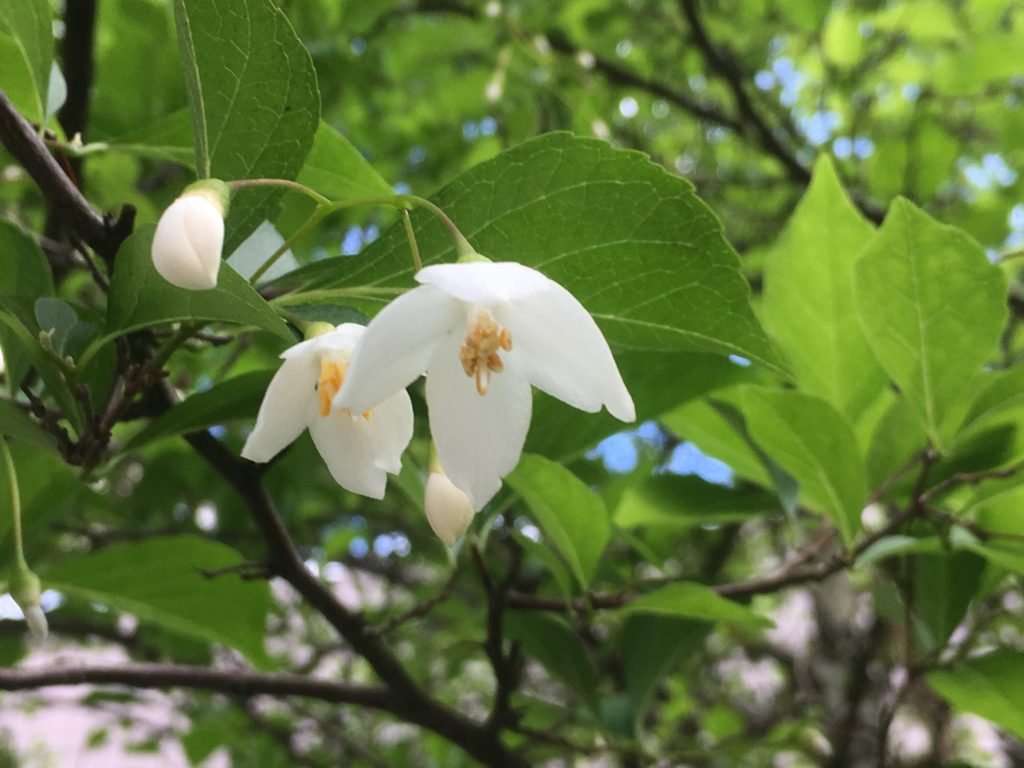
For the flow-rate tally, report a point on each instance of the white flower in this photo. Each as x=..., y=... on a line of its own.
x=359, y=447
x=484, y=332
x=449, y=510
x=188, y=241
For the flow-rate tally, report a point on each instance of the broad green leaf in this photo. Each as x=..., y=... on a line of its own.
x=169, y=138
x=989, y=686
x=944, y=586
x=651, y=644
x=254, y=98
x=696, y=601
x=633, y=243
x=26, y=274
x=335, y=169
x=17, y=424
x=893, y=546
x=816, y=445
x=572, y=516
x=932, y=307
x=237, y=398
x=703, y=425
x=140, y=297
x=159, y=580
x=669, y=501
x=808, y=297
x=897, y=437
x=29, y=24
x=551, y=641
x=996, y=392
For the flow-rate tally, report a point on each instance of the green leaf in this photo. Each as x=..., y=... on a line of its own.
x=669, y=501
x=140, y=297
x=816, y=445
x=550, y=640
x=698, y=602
x=335, y=169
x=159, y=580
x=633, y=243
x=26, y=274
x=997, y=392
x=808, y=296
x=932, y=307
x=944, y=586
x=237, y=398
x=17, y=424
x=989, y=686
x=169, y=138
x=897, y=437
x=572, y=516
x=29, y=24
x=651, y=644
x=254, y=99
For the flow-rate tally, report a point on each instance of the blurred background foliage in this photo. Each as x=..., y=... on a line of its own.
x=913, y=98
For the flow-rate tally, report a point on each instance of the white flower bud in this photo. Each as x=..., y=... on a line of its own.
x=36, y=621
x=449, y=510
x=190, y=235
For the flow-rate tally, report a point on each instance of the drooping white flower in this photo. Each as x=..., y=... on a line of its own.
x=190, y=236
x=484, y=332
x=449, y=510
x=359, y=447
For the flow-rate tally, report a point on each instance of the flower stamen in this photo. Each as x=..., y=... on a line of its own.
x=332, y=376
x=479, y=351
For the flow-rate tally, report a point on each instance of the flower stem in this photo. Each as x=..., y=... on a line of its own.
x=14, y=499
x=414, y=247
x=293, y=185
x=462, y=246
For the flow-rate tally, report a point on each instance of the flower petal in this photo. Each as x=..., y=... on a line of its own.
x=557, y=347
x=342, y=339
x=483, y=282
x=397, y=346
x=479, y=437
x=347, y=447
x=286, y=408
x=174, y=250
x=390, y=428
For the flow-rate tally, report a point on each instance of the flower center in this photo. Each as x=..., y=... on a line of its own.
x=479, y=351
x=332, y=376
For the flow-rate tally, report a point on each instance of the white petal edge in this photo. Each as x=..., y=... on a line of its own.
x=557, y=347
x=390, y=429
x=347, y=447
x=485, y=283
x=397, y=346
x=479, y=438
x=285, y=410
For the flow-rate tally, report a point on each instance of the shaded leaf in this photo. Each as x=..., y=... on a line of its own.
x=696, y=601
x=158, y=580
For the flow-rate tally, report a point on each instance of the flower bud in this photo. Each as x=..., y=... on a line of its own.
x=24, y=586
x=190, y=235
x=449, y=510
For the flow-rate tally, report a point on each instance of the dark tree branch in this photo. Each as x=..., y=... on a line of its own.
x=728, y=68
x=102, y=233
x=243, y=684
x=77, y=56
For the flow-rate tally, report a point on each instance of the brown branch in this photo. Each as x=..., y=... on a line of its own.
x=244, y=684
x=103, y=233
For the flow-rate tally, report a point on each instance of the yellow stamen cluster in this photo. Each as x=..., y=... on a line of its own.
x=332, y=376
x=479, y=351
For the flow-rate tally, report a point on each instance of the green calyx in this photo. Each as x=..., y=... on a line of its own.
x=470, y=257
x=318, y=328
x=24, y=586
x=214, y=190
